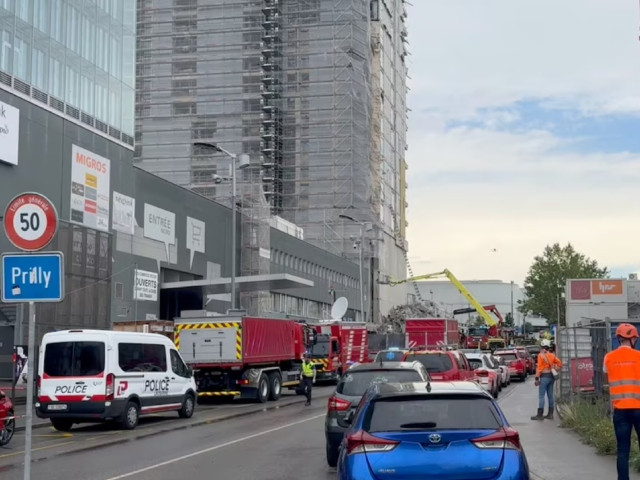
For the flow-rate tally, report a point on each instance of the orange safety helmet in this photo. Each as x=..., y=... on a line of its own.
x=626, y=330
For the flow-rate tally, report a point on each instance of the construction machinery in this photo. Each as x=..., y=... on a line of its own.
x=478, y=337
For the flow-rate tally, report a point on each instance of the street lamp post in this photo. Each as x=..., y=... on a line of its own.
x=243, y=159
x=347, y=217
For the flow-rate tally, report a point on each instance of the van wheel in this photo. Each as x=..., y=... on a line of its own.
x=61, y=424
x=275, y=386
x=130, y=416
x=263, y=389
x=188, y=407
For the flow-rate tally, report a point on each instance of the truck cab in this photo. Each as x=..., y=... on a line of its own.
x=326, y=355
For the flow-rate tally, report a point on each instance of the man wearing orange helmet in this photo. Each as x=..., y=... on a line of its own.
x=622, y=367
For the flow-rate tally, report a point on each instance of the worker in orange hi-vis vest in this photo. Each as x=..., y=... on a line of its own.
x=622, y=367
x=546, y=372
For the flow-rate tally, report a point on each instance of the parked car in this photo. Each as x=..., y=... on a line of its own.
x=517, y=365
x=423, y=430
x=348, y=393
x=531, y=366
x=446, y=365
x=505, y=374
x=488, y=375
x=534, y=350
x=7, y=422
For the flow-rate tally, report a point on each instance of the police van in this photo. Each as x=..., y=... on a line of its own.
x=102, y=375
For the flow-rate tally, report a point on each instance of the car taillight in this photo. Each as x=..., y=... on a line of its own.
x=109, y=389
x=38, y=383
x=363, y=442
x=482, y=373
x=506, y=438
x=337, y=404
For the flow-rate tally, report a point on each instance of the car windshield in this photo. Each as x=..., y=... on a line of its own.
x=508, y=357
x=433, y=362
x=355, y=383
x=433, y=412
x=389, y=356
x=320, y=349
x=74, y=359
x=477, y=332
x=475, y=363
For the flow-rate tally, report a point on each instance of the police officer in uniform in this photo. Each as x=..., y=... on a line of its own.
x=308, y=377
x=622, y=367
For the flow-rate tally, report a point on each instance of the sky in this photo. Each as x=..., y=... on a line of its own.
x=524, y=131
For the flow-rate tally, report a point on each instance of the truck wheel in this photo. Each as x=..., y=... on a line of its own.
x=130, y=416
x=275, y=386
x=61, y=424
x=263, y=389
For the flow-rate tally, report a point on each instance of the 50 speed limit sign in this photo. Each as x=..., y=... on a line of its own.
x=30, y=221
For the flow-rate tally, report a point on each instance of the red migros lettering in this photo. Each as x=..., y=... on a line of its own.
x=91, y=163
x=70, y=389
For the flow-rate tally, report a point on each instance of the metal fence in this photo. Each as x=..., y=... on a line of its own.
x=582, y=350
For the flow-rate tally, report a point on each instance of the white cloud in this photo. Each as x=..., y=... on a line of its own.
x=475, y=189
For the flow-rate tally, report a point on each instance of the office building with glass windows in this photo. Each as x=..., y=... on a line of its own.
x=75, y=58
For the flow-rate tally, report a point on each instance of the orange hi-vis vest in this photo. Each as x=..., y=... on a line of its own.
x=623, y=370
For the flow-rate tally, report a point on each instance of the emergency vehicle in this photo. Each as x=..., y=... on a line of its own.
x=337, y=345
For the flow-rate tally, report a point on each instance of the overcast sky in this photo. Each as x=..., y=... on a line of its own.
x=524, y=130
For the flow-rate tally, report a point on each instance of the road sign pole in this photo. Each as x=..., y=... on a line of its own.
x=31, y=357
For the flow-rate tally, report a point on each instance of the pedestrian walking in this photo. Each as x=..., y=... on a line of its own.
x=546, y=372
x=622, y=367
x=308, y=377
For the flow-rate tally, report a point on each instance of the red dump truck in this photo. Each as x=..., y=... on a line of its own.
x=246, y=357
x=431, y=332
x=336, y=345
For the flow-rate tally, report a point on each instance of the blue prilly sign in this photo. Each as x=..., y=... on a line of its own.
x=32, y=277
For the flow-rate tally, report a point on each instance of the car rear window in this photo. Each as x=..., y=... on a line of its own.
x=356, y=383
x=475, y=363
x=508, y=356
x=74, y=359
x=389, y=356
x=433, y=362
x=432, y=412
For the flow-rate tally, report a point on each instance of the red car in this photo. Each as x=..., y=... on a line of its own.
x=7, y=423
x=524, y=353
x=446, y=366
x=515, y=361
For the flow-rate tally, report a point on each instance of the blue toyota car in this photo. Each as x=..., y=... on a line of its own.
x=430, y=431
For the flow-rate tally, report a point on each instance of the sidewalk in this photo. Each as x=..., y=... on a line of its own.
x=553, y=453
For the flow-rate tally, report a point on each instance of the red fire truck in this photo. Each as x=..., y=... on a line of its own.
x=336, y=345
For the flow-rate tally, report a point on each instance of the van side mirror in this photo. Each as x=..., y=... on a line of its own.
x=189, y=372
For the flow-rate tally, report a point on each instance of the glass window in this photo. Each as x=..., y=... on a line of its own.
x=508, y=357
x=74, y=359
x=475, y=363
x=177, y=365
x=142, y=357
x=355, y=383
x=433, y=362
x=441, y=412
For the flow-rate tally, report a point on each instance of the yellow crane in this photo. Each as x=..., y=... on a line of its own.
x=490, y=321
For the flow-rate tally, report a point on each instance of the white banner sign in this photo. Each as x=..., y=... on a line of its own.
x=9, y=133
x=160, y=225
x=90, y=177
x=195, y=237
x=124, y=208
x=146, y=287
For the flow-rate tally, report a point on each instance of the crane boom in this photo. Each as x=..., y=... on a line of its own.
x=461, y=288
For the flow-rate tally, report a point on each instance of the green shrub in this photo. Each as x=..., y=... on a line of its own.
x=591, y=421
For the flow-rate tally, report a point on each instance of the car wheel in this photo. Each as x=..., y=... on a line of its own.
x=262, y=394
x=9, y=428
x=275, y=386
x=61, y=424
x=332, y=454
x=495, y=392
x=130, y=416
x=188, y=407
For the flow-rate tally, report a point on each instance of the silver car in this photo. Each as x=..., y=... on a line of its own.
x=352, y=386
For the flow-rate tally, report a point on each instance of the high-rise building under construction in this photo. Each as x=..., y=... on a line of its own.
x=314, y=91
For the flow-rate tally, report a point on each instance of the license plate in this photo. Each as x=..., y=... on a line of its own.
x=61, y=406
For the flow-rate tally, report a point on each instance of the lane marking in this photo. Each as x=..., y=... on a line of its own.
x=216, y=447
x=35, y=449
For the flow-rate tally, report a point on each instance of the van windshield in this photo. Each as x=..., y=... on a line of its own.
x=74, y=359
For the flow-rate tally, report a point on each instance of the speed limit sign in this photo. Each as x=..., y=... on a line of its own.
x=30, y=221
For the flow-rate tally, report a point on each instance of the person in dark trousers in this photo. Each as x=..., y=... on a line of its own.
x=308, y=377
x=622, y=367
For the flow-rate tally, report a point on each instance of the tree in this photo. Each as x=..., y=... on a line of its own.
x=547, y=276
x=508, y=320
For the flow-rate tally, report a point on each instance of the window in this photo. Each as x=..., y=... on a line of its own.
x=74, y=359
x=356, y=383
x=441, y=412
x=434, y=362
x=142, y=357
x=508, y=357
x=178, y=366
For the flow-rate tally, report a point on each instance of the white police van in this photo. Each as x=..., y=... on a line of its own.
x=101, y=375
